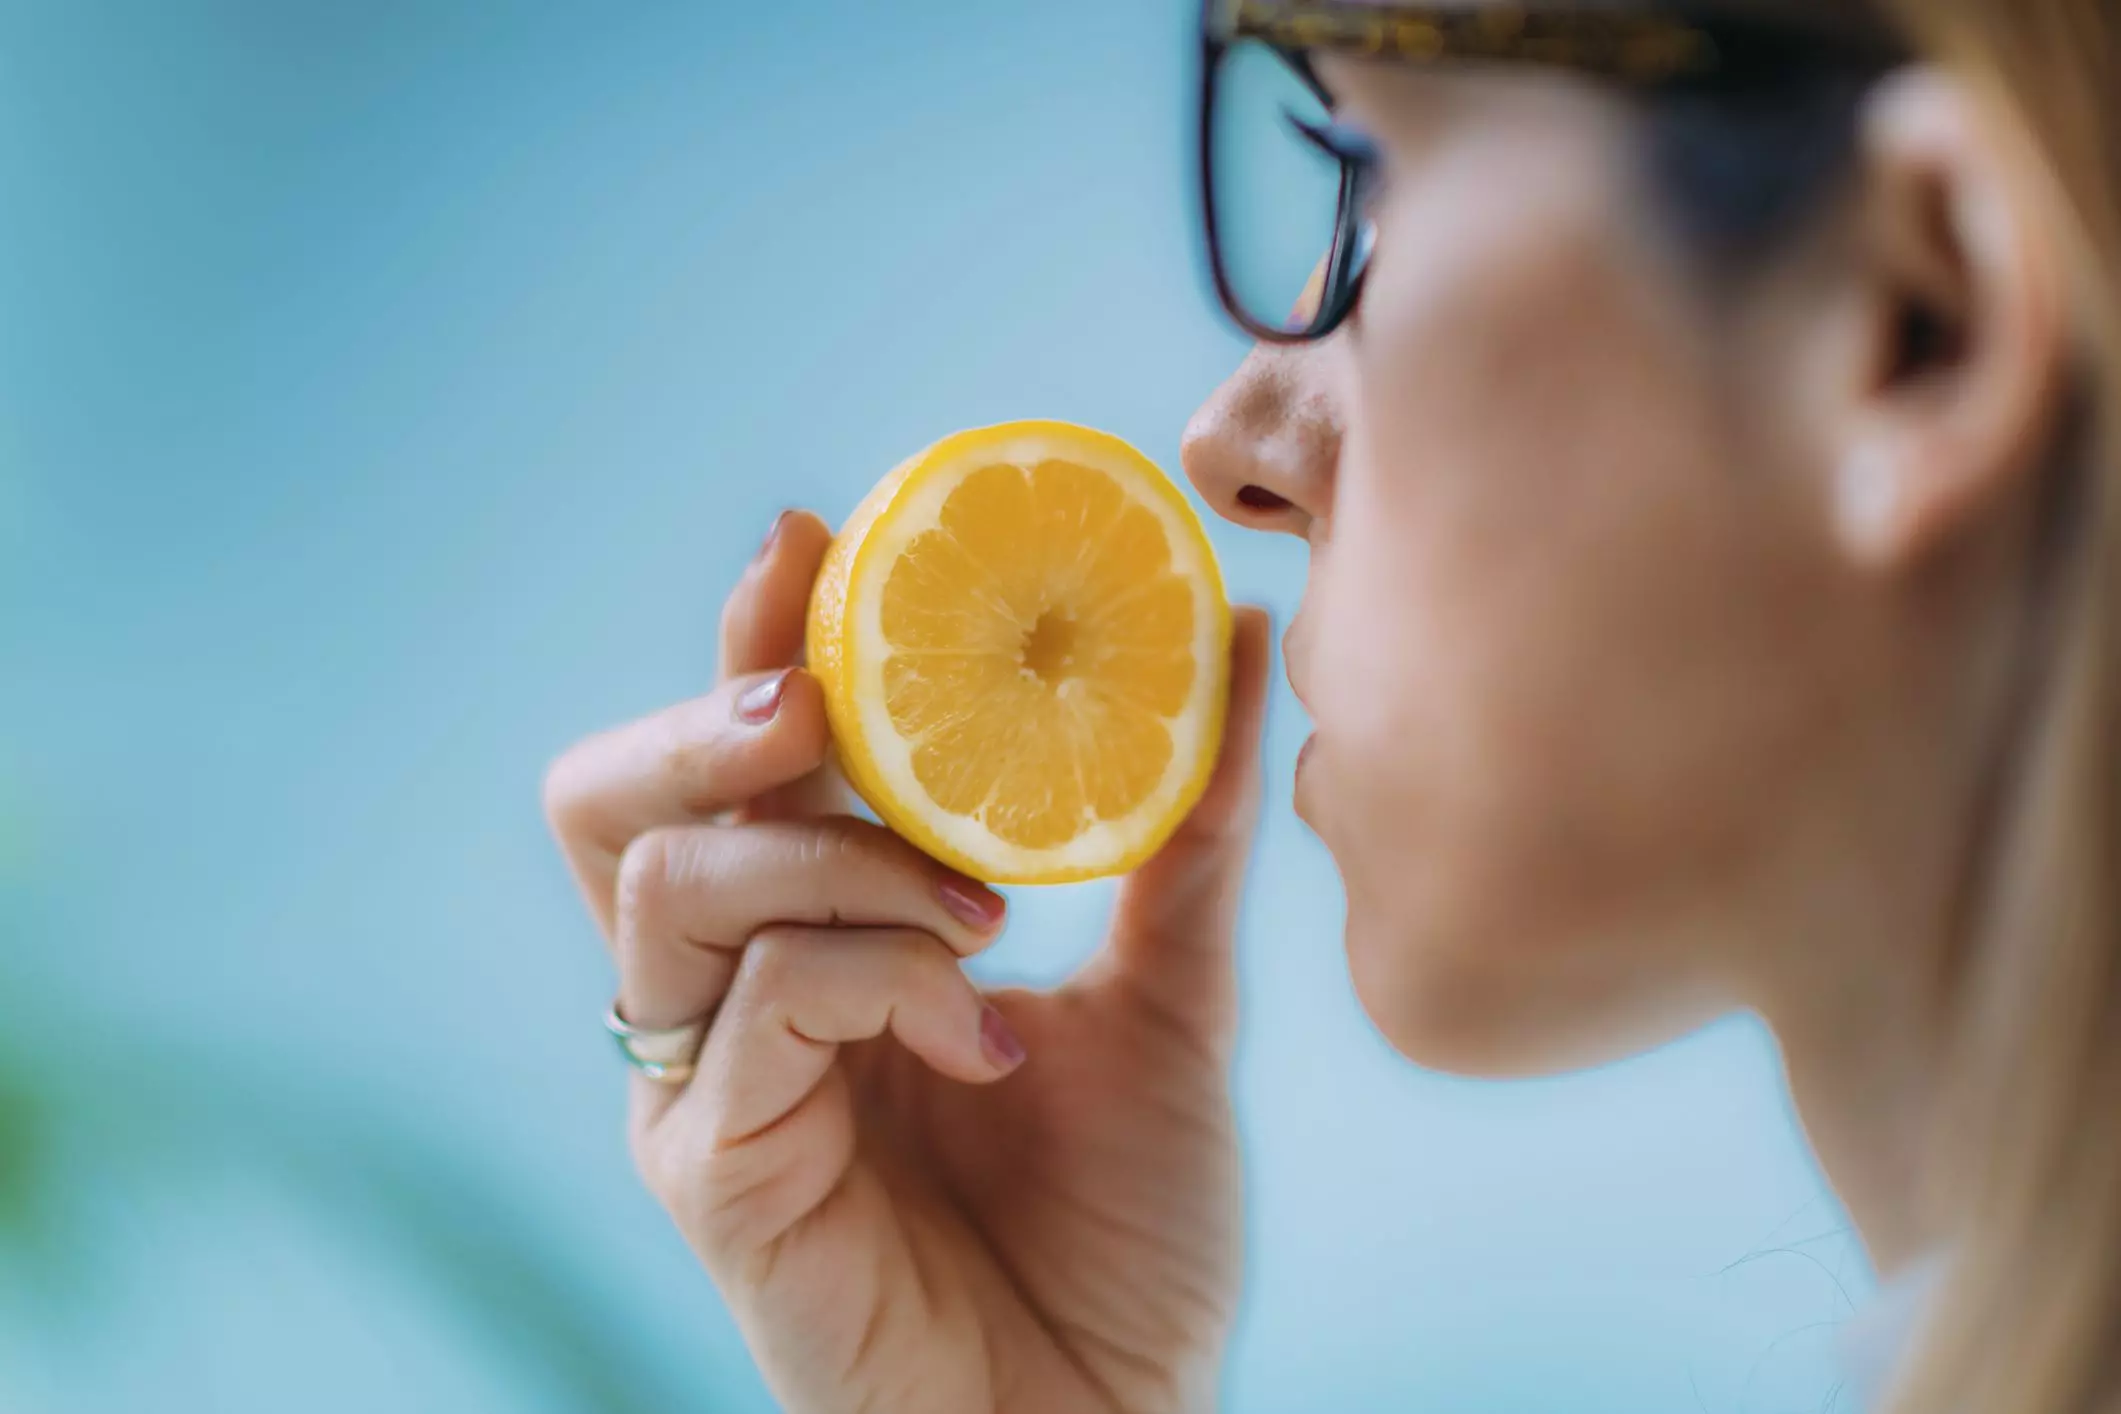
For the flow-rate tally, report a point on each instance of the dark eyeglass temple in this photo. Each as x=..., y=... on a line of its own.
x=1649, y=46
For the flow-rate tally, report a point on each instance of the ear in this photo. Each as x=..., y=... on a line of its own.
x=1953, y=403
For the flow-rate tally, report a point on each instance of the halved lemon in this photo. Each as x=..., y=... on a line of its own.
x=1024, y=647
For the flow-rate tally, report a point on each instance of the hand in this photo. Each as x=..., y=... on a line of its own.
x=913, y=1197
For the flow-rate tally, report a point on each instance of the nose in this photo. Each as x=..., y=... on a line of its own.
x=1262, y=450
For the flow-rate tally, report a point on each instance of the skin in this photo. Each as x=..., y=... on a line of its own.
x=1660, y=636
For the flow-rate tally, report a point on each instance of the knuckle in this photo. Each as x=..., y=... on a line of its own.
x=774, y=960
x=643, y=880
x=689, y=749
x=922, y=966
x=832, y=848
x=726, y=859
x=867, y=875
x=699, y=863
x=857, y=850
x=564, y=796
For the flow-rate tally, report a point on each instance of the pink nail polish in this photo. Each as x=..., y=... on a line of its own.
x=972, y=904
x=762, y=700
x=998, y=1040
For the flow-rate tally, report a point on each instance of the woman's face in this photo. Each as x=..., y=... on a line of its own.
x=1570, y=638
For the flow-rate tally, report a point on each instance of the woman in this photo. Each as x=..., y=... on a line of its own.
x=1705, y=434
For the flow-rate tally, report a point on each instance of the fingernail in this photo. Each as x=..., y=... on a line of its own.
x=998, y=1040
x=762, y=700
x=974, y=905
x=773, y=534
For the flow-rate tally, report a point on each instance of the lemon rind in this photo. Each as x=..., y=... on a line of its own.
x=881, y=765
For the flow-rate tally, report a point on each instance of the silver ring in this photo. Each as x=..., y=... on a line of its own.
x=664, y=1056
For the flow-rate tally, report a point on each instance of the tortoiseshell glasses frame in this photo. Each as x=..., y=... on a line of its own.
x=1653, y=48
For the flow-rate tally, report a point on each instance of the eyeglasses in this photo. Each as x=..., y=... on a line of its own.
x=1284, y=189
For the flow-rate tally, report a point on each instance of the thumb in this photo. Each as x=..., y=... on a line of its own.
x=1174, y=931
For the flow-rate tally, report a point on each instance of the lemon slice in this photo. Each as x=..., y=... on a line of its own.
x=1024, y=647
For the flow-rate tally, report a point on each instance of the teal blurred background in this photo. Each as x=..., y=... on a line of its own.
x=387, y=394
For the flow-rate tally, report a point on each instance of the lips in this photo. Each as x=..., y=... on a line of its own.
x=1295, y=656
x=1304, y=785
x=1295, y=660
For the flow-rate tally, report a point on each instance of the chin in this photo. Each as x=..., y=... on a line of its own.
x=1434, y=1008
x=1466, y=1007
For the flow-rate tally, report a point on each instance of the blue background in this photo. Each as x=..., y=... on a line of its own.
x=388, y=392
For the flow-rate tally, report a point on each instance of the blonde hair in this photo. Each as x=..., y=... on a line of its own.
x=2029, y=1160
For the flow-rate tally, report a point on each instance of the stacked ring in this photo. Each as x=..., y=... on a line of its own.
x=665, y=1056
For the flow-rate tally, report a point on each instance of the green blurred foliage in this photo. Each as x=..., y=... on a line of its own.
x=22, y=1148
x=176, y=1116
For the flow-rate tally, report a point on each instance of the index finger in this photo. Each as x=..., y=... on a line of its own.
x=689, y=762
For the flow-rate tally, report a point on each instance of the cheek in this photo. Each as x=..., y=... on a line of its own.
x=1511, y=488
x=1545, y=622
